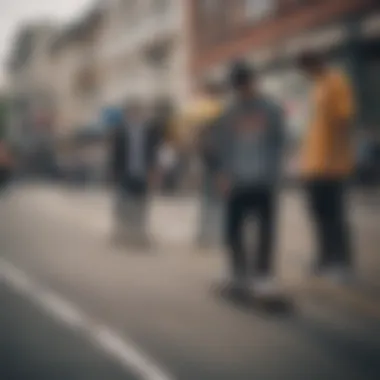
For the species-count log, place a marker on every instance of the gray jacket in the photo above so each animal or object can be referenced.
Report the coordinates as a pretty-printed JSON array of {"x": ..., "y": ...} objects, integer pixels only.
[{"x": 250, "y": 139}]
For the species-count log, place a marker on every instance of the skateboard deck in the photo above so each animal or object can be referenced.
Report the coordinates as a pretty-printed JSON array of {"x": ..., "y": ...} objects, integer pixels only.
[{"x": 247, "y": 299}]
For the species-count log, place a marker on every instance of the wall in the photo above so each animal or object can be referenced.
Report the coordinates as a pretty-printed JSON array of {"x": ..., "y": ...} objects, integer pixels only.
[
  {"x": 234, "y": 41},
  {"x": 130, "y": 33}
]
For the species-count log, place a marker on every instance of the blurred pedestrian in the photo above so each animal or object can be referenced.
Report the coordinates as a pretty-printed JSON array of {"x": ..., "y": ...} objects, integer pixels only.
[
  {"x": 328, "y": 162},
  {"x": 190, "y": 122},
  {"x": 168, "y": 161},
  {"x": 134, "y": 147},
  {"x": 167, "y": 149},
  {"x": 210, "y": 224},
  {"x": 251, "y": 136}
]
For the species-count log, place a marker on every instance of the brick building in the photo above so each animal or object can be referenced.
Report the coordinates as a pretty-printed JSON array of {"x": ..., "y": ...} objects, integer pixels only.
[{"x": 271, "y": 33}]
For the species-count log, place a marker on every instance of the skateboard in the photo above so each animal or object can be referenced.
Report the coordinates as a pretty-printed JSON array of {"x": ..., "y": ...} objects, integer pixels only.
[{"x": 245, "y": 298}]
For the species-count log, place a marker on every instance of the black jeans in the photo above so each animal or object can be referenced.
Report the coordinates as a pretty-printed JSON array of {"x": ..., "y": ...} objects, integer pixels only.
[
  {"x": 328, "y": 209},
  {"x": 135, "y": 187},
  {"x": 242, "y": 203}
]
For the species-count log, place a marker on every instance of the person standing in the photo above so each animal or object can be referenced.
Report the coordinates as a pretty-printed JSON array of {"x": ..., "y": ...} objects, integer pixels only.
[
  {"x": 134, "y": 146},
  {"x": 327, "y": 162},
  {"x": 211, "y": 212},
  {"x": 251, "y": 139}
]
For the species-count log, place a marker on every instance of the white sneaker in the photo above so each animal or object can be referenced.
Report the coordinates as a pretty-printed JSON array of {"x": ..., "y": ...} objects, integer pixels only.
[
  {"x": 266, "y": 287},
  {"x": 339, "y": 274}
]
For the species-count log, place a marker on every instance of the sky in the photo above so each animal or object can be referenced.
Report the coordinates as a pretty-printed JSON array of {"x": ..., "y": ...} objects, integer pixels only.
[{"x": 14, "y": 13}]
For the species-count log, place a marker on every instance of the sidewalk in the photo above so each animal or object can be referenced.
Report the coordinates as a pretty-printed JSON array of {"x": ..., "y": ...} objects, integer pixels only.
[{"x": 173, "y": 223}]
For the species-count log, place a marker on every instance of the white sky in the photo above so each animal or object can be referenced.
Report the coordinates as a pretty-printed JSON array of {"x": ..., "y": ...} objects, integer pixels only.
[{"x": 14, "y": 12}]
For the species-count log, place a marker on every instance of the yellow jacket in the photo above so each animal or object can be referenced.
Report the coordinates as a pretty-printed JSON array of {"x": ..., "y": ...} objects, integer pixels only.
[{"x": 327, "y": 150}]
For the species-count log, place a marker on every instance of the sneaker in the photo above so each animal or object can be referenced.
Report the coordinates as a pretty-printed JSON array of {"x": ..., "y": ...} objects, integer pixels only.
[
  {"x": 339, "y": 274},
  {"x": 265, "y": 287}
]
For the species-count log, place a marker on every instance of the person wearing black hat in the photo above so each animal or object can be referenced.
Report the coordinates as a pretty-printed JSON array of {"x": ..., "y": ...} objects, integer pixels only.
[{"x": 250, "y": 143}]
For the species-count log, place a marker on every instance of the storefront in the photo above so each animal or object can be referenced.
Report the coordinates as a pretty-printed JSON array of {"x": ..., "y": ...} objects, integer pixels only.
[{"x": 351, "y": 45}]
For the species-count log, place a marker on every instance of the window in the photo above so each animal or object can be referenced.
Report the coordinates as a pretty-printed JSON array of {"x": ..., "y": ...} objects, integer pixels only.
[{"x": 256, "y": 10}]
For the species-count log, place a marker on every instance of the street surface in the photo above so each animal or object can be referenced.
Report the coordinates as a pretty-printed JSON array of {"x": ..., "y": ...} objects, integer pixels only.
[{"x": 75, "y": 307}]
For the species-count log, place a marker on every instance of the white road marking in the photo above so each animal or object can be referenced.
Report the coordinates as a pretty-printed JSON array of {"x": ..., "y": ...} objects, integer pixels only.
[
  {"x": 61, "y": 309},
  {"x": 113, "y": 344}
]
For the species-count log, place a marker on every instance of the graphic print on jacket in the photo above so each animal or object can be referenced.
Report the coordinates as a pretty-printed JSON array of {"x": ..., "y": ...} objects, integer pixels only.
[
  {"x": 248, "y": 146},
  {"x": 251, "y": 142}
]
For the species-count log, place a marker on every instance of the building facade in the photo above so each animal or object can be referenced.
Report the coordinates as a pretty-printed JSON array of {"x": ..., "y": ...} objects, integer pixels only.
[
  {"x": 271, "y": 33},
  {"x": 76, "y": 83},
  {"x": 30, "y": 81},
  {"x": 143, "y": 52}
]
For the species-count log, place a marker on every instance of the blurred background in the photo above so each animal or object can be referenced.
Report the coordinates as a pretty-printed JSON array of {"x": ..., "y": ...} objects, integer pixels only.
[
  {"x": 63, "y": 80},
  {"x": 69, "y": 68}
]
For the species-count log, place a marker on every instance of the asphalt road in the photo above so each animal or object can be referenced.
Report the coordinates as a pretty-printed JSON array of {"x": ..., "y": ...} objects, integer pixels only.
[
  {"x": 73, "y": 306},
  {"x": 35, "y": 346}
]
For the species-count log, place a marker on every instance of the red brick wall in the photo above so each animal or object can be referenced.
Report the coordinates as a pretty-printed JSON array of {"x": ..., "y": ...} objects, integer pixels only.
[{"x": 287, "y": 22}]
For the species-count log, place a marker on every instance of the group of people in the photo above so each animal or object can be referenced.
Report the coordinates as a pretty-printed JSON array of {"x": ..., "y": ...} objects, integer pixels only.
[{"x": 242, "y": 150}]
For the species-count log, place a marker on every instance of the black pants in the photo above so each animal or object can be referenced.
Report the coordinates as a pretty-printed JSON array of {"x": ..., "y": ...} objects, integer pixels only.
[
  {"x": 242, "y": 203},
  {"x": 136, "y": 187},
  {"x": 328, "y": 209}
]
